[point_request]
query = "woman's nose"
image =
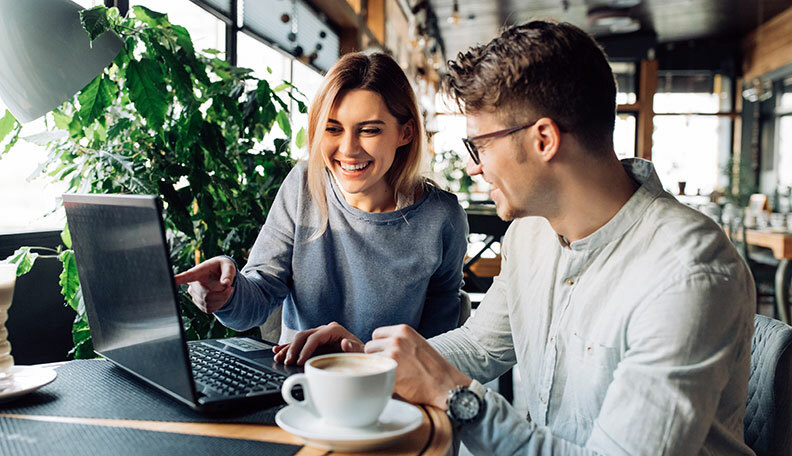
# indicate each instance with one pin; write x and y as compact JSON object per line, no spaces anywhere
{"x":348,"y":145}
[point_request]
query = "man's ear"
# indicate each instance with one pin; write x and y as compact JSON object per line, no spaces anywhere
{"x":407,"y":132}
{"x":547,"y":138}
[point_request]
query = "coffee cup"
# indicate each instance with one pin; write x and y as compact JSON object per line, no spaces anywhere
{"x":7,"y":280}
{"x":344,"y":389}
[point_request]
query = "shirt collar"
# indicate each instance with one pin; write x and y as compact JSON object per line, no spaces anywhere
{"x":641,"y":171}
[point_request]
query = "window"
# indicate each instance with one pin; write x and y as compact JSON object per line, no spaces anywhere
{"x":691,"y":141}
{"x":624,"y":133}
{"x":784,"y":129}
{"x":206,"y":31}
{"x":27,"y":204}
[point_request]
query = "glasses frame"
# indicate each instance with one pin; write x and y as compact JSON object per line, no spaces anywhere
{"x":473,"y":150}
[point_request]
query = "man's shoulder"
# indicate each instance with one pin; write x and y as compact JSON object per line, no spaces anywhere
{"x":685,"y":237}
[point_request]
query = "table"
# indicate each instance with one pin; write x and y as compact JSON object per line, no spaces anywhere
{"x":781,"y":245}
{"x":433,"y":438}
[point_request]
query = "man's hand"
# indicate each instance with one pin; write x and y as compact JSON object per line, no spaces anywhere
{"x":210,"y":283}
{"x":423,"y":375}
{"x":323,"y":339}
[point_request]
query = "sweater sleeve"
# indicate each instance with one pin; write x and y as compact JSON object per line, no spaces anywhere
{"x":266,"y":278}
{"x":441,"y":307}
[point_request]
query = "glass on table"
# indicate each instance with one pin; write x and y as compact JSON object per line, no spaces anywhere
{"x":7,"y":281}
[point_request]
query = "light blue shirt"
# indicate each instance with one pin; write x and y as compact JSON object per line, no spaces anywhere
{"x":633,"y":340}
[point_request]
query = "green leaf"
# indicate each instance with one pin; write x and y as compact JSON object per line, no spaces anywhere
{"x":24,"y":259}
{"x":283,"y":122}
{"x":147,"y":91}
{"x":7,"y":123}
{"x":69,"y":281}
{"x":94,"y":21}
{"x":95,"y":98}
{"x":75,"y":127}
{"x":66,"y":237}
{"x":300,"y":140}
{"x":62,"y":120}
{"x":149,"y":17}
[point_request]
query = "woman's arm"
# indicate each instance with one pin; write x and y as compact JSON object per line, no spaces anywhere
{"x":441,"y":308}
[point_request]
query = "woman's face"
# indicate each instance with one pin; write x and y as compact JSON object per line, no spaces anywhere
{"x":358,"y":146}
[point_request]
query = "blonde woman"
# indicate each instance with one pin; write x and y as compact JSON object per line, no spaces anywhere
{"x":355,"y":235}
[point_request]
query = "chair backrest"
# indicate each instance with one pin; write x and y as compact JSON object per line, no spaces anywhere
{"x":464,"y":307}
{"x":768,"y":413}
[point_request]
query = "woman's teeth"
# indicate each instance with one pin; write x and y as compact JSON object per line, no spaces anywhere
{"x":357,"y":167}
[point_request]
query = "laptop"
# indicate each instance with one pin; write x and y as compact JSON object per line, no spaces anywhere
{"x":132,"y":306}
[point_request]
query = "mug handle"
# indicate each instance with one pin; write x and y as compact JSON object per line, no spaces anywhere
{"x":288,"y":386}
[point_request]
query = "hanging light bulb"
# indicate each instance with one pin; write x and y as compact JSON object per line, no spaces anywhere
{"x":453,"y":19}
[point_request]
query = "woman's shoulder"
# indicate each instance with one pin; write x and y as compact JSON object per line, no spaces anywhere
{"x":443,"y":200}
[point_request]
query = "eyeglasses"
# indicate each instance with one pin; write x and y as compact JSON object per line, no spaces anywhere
{"x":474,"y":153}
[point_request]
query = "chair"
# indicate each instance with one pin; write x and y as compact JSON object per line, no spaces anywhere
{"x":761,"y":262}
{"x":768,"y":413}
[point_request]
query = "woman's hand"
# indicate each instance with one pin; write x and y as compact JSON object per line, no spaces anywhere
{"x":210,"y":283}
{"x":329,"y":338}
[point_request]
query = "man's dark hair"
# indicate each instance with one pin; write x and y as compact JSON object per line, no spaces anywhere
{"x":539,"y":69}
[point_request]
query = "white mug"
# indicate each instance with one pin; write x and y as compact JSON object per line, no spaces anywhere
{"x":344,"y":389}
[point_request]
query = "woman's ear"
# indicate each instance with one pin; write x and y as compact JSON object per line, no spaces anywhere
{"x":407,"y":132}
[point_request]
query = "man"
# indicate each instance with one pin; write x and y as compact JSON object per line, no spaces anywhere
{"x":629,"y":315}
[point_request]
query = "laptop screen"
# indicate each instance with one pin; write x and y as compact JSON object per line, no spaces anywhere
{"x":127,"y":283}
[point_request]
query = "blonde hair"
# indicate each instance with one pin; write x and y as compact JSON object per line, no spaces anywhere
{"x":378,"y":73}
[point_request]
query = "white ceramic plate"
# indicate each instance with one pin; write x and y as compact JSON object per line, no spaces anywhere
{"x":26,"y":379}
{"x":397,"y":419}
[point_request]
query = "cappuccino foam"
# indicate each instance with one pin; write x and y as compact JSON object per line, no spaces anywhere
{"x":352,"y":365}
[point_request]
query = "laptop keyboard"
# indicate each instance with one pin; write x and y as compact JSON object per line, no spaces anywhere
{"x":228,"y":376}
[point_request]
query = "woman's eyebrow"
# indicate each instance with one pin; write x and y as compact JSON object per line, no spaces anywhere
{"x":372,"y":122}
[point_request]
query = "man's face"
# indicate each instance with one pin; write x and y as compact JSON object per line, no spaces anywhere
{"x":513,"y":172}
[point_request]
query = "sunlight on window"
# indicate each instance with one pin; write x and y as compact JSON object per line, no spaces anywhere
{"x":308,"y":81}
{"x":785,"y":151}
{"x":28,"y":201}
{"x":624,"y":136}
{"x":685,"y":149}
{"x":206,"y":31}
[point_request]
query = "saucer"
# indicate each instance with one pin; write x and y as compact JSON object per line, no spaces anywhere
{"x":26,"y":379}
{"x":397,"y":419}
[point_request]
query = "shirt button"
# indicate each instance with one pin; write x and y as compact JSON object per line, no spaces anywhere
{"x":552,"y":340}
{"x":569,"y":281}
{"x":543,"y":399}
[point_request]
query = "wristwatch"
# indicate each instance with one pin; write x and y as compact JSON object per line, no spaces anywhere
{"x":465,"y":404}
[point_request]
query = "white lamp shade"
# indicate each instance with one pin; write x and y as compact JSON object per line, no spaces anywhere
{"x":46,"y":55}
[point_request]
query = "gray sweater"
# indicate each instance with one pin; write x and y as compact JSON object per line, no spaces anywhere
{"x":367,"y":270}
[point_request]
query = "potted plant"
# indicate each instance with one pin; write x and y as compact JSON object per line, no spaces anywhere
{"x":166,"y":120}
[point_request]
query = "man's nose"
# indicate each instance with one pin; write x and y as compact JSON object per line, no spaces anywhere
{"x":472,"y":168}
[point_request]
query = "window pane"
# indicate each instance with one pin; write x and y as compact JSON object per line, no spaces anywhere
{"x":785,"y":152}
{"x":624,"y":72}
{"x":785,"y":97}
{"x":692,"y":92}
{"x":25,"y":197}
{"x":307,"y":81}
{"x":206,"y":31}
{"x":266,"y":63}
{"x":624,"y":136}
{"x":685,"y":149}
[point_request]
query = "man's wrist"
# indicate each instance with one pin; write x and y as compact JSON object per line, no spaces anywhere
{"x":442,"y":396}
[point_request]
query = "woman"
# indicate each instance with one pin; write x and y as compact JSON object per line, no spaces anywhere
{"x":355,"y":235}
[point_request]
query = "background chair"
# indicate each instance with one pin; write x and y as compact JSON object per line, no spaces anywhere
{"x":761,"y":262}
{"x":768,"y":413}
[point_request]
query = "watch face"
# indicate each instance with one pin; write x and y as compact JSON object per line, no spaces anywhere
{"x":465,"y":406}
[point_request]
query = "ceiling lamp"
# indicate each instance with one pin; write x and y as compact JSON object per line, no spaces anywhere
{"x":615,"y":20}
{"x":453,"y":19}
{"x":46,"y":55}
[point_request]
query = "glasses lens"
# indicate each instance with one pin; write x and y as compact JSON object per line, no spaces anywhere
{"x":472,"y":149}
